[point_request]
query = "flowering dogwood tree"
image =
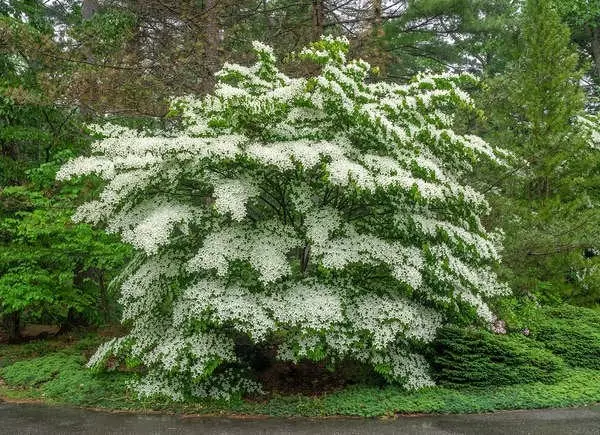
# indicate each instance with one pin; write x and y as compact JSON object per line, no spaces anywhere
{"x":322,"y":215}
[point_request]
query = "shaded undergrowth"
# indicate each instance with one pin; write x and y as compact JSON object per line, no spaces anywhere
{"x":55,"y":373}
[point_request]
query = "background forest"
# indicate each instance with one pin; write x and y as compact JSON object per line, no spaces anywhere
{"x":67,"y":64}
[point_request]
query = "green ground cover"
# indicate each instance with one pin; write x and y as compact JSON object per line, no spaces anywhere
{"x":53,"y":371}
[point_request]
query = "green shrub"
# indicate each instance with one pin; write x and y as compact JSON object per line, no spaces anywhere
{"x":576,"y":315}
{"x":571,"y":332}
{"x":481,"y":358}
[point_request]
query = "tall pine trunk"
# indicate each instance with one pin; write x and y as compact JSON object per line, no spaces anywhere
{"x":318,"y":19}
{"x":212,"y":42}
{"x":596,"y":50}
{"x":377,"y":19}
{"x":89,"y":8}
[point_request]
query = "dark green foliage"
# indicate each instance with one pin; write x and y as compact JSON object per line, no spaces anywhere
{"x":568,"y":331}
{"x":480,"y":358}
{"x":577,"y":387}
{"x":51,"y":269}
{"x":573,"y":315}
{"x":583,"y":18}
{"x":571,"y":332}
{"x":59,"y":376}
{"x":433,"y":34}
{"x":82,"y":343}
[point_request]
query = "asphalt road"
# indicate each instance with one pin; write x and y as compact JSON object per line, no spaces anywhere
{"x":38,"y":419}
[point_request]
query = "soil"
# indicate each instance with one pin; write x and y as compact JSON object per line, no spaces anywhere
{"x":3,"y":336}
{"x":306,"y":378}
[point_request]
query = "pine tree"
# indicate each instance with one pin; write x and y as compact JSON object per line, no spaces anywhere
{"x":550,"y":212}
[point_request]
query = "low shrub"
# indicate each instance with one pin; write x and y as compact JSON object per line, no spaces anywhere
{"x":571,"y":332}
{"x":466,"y":356}
{"x":576,"y":315}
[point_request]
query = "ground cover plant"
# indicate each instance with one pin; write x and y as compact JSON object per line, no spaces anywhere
{"x":325,"y":215}
{"x":53,"y":371}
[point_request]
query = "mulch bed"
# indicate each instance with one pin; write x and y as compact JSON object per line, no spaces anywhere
{"x":306,"y":378}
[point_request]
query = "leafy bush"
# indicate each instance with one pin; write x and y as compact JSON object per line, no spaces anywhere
{"x":52,"y":270}
{"x":480,"y":358}
{"x":571,"y":332}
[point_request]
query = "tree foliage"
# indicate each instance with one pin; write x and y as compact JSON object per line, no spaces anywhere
{"x":50,"y":269}
{"x":549,"y":210}
{"x":583,"y":18}
{"x":446,"y":34}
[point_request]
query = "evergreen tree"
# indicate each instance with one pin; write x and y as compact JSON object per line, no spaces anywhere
{"x":550,"y":213}
{"x":583,"y":17}
{"x":441,"y":34}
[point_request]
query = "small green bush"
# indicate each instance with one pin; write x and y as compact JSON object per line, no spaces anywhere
{"x":571,"y":332}
{"x":481,"y":358}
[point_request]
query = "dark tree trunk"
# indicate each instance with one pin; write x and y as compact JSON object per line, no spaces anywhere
{"x":304,"y":258}
{"x":73,"y":321}
{"x":88,"y":9}
{"x":318,"y":19}
{"x":104,"y":300}
{"x":377,"y":18}
{"x":12,"y":324}
{"x":596,"y":49}
{"x":212,"y":42}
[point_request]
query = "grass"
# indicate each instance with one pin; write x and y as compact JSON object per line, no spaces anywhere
{"x":54,"y":372}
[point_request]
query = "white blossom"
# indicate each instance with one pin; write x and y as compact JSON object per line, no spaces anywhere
{"x":266,"y":214}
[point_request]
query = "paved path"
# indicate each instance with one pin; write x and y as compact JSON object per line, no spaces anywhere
{"x":37,"y":419}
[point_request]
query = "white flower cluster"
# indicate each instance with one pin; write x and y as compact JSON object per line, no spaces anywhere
{"x":387,"y":318}
{"x":483,"y":246}
{"x":404,"y":262}
{"x":590,"y":124}
{"x":231,"y":196}
{"x":264,"y":246}
{"x":324,"y":211}
{"x":305,"y":305}
{"x":409,"y":366}
{"x":152,"y":224}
